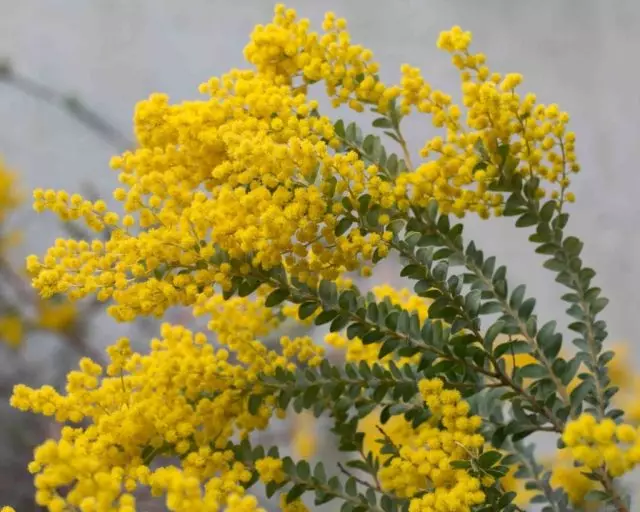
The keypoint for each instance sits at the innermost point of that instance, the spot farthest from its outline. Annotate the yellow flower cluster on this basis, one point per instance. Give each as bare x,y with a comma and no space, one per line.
239,188
185,397
597,443
423,466
502,133
251,186
238,323
356,350
286,50
270,470
253,178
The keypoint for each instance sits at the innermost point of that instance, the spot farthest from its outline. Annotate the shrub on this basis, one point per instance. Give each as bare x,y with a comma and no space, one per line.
251,206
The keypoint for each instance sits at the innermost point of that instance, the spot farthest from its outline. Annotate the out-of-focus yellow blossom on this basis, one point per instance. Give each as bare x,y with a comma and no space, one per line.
9,200
12,330
57,316
595,443
305,436
571,479
510,483
623,376
9,197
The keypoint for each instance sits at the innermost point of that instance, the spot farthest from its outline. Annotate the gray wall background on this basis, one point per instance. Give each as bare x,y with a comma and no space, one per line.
581,54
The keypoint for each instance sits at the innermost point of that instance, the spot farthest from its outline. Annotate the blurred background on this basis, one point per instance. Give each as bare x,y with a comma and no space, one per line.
71,72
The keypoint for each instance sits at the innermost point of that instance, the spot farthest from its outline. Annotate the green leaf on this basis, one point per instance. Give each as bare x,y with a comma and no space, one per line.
307,309
472,303
395,226
597,496
276,297
303,470
325,290
572,245
350,487
512,347
533,371
492,334
387,347
432,209
581,392
546,212
526,220
351,132
338,128
339,323
343,226
440,271
488,459
247,287
506,498
489,308
526,308
546,331
382,122
517,296
255,401
598,305
310,396
295,492
325,317
548,248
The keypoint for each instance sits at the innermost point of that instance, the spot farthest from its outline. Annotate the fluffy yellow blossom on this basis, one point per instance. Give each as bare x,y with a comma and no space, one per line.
287,51
254,178
427,451
598,443
185,396
270,470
